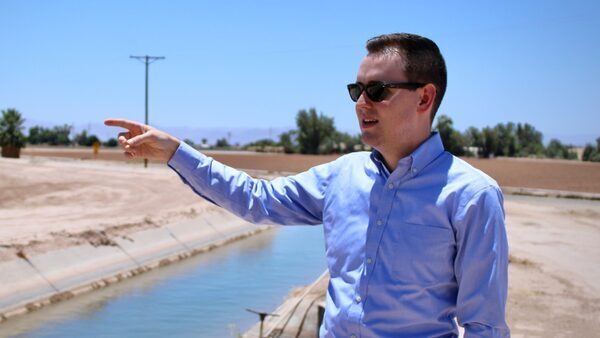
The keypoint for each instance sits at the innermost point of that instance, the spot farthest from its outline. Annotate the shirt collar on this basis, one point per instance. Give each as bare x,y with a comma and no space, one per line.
377,158
415,162
427,152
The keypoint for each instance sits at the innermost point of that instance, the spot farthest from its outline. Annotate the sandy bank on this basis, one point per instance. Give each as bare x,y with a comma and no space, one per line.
30,282
509,172
70,226
46,203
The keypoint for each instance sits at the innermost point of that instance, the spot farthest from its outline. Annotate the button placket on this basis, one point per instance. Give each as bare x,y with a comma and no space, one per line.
372,246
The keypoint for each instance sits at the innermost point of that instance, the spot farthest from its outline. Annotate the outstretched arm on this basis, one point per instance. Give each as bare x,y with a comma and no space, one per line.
286,200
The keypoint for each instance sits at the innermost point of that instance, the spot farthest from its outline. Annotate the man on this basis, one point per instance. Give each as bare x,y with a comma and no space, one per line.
414,236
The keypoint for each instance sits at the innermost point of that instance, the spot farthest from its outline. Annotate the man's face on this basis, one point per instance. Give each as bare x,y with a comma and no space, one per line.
386,125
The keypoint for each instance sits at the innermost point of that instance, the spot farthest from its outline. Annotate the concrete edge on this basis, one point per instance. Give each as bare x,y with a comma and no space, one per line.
293,308
551,193
58,282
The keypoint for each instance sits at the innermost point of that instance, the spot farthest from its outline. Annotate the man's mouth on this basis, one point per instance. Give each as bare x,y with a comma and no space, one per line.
369,122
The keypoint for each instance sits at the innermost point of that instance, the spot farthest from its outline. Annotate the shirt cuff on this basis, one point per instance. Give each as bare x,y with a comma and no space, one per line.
186,159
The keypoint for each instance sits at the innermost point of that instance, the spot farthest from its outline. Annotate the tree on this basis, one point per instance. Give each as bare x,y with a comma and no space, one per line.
58,135
556,149
314,131
489,142
112,142
587,152
83,139
289,142
530,140
591,153
595,157
344,142
265,144
35,135
222,143
473,138
91,140
452,139
11,133
507,144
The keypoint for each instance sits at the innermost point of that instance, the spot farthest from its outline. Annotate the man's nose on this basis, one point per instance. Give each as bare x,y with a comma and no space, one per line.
363,101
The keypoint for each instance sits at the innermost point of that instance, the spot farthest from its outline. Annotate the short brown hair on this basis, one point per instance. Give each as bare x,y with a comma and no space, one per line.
423,61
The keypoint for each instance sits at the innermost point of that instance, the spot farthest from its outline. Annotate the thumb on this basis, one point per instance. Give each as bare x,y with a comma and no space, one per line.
141,139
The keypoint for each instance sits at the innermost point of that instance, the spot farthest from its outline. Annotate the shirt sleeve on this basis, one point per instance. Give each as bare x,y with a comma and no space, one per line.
481,265
295,199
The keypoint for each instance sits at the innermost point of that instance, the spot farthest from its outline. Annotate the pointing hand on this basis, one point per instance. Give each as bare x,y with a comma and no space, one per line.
142,141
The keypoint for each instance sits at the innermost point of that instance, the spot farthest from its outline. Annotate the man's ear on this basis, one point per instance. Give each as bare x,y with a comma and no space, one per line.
426,98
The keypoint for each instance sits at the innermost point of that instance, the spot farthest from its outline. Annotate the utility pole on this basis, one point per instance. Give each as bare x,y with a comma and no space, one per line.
147,60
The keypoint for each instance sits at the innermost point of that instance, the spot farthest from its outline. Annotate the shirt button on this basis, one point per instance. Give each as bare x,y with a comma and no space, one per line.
391,186
414,170
358,299
369,261
379,222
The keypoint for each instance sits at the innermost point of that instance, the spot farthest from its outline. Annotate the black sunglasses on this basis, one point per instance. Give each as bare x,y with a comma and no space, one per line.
376,90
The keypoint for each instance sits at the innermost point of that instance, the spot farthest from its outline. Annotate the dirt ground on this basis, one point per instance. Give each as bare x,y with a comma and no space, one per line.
238,159
509,172
554,267
47,203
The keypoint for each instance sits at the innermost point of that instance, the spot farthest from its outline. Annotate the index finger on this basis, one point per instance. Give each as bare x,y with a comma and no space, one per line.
128,124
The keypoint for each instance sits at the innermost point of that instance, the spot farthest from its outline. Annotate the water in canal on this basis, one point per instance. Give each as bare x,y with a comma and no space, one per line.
204,296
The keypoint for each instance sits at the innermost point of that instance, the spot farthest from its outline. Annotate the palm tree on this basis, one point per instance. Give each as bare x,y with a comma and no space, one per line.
11,135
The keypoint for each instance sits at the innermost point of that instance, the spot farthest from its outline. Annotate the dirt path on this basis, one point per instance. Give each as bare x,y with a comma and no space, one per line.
511,172
47,204
555,267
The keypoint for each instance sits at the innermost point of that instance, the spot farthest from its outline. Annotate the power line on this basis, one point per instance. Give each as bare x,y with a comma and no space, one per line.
147,60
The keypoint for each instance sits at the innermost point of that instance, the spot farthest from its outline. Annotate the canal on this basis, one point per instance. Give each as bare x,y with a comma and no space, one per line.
204,296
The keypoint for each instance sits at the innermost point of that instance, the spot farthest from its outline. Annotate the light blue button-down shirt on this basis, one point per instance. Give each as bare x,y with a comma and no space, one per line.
407,251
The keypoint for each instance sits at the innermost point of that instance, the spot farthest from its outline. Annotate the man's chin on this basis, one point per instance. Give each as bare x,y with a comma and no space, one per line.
367,139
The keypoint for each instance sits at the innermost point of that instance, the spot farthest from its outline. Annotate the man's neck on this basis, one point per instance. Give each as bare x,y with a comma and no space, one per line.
391,161
393,156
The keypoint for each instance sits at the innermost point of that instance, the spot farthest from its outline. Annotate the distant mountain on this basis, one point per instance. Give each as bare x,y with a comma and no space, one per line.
233,135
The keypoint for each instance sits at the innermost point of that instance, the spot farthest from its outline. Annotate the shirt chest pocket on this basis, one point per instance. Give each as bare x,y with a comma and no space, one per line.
417,253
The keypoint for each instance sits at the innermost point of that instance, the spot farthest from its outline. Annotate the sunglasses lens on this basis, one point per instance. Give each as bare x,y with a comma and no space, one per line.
375,92
354,89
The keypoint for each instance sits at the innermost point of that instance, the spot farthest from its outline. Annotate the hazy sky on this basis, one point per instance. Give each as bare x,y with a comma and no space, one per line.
254,64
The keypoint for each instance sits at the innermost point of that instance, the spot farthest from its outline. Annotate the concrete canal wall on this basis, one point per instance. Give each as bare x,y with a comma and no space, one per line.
28,283
300,315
